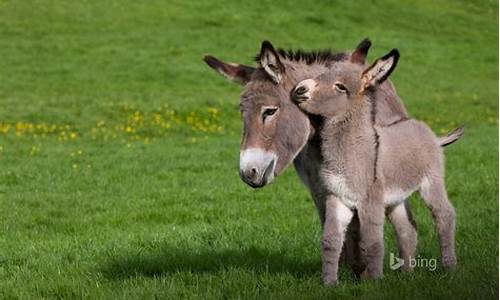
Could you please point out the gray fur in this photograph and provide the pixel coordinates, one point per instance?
(370, 167)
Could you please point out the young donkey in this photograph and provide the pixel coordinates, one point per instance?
(367, 167)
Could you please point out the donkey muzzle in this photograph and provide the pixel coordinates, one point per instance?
(302, 91)
(257, 167)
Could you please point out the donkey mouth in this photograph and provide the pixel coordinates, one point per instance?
(260, 181)
(300, 98)
(269, 173)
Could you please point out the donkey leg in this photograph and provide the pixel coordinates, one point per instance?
(406, 232)
(352, 251)
(337, 218)
(433, 192)
(371, 220)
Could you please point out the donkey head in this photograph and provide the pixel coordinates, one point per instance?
(338, 92)
(274, 129)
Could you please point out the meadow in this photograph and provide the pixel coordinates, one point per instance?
(119, 148)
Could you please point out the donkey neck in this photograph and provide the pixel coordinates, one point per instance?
(355, 121)
(349, 139)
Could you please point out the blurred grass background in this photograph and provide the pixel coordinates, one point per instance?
(119, 148)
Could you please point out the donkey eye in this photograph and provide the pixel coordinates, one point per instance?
(340, 87)
(268, 112)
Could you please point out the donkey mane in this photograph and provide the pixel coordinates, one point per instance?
(310, 57)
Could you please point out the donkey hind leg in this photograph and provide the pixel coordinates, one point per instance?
(406, 232)
(371, 220)
(352, 251)
(433, 192)
(337, 218)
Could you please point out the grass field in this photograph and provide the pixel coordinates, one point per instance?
(119, 148)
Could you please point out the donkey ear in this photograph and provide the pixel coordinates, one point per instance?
(359, 54)
(270, 61)
(234, 72)
(380, 69)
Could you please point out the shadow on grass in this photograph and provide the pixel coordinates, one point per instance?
(173, 260)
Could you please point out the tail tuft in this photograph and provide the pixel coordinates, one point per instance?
(452, 137)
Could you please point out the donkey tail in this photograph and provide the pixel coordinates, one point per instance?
(452, 136)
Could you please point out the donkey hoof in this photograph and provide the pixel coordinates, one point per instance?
(364, 275)
(329, 280)
(407, 269)
(449, 265)
(329, 283)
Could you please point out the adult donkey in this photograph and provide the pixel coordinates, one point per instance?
(276, 132)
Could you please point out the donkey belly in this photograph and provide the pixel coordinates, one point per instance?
(338, 186)
(395, 196)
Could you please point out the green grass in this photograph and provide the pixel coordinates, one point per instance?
(135, 192)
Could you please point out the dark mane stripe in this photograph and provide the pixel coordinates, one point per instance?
(310, 57)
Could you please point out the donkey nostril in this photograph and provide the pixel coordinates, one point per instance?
(301, 90)
(253, 172)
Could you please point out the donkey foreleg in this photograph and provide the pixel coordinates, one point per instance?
(337, 218)
(371, 214)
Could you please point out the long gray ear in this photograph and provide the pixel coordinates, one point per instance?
(359, 54)
(270, 61)
(380, 70)
(234, 72)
